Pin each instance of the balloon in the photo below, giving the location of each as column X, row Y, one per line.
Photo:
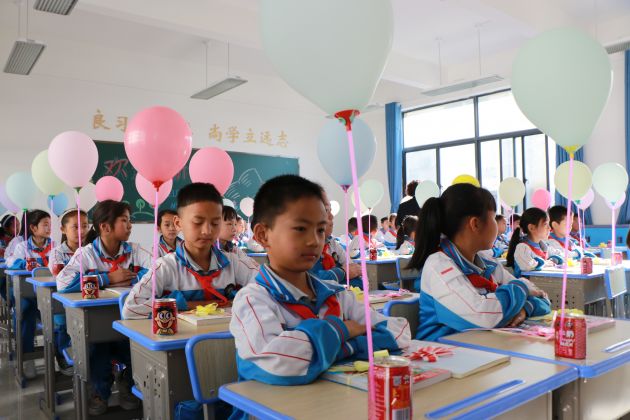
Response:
column 333, row 152
column 87, row 196
column 334, row 207
column 6, row 201
column 332, row 52
column 512, row 191
column 541, row 199
column 214, row 166
column 59, row 204
column 466, row 179
column 586, row 201
column 364, row 208
column 109, row 188
column 21, row 190
column 610, row 180
column 158, row 142
column 147, row 190
column 426, row 190
column 228, row 203
column 615, row 205
column 561, row 80
column 247, row 206
column 582, row 179
column 44, row 177
column 371, row 192
column 73, row 157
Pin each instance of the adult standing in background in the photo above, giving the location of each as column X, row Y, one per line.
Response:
column 408, row 205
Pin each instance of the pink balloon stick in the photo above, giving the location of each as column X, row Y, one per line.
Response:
column 345, row 199
column 566, row 244
column 155, row 244
column 612, row 242
column 79, row 225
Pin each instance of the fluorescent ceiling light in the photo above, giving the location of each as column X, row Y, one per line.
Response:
column 219, row 87
column 23, row 57
column 469, row 84
column 59, row 7
column 618, row 46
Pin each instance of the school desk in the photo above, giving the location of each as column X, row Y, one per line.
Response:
column 54, row 382
column 607, row 252
column 89, row 321
column 382, row 270
column 259, row 257
column 21, row 290
column 518, row 389
column 603, row 386
column 5, row 310
column 159, row 362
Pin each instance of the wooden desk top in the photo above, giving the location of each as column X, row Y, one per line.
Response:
column 343, row 402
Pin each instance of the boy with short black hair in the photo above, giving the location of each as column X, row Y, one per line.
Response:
column 289, row 326
column 197, row 272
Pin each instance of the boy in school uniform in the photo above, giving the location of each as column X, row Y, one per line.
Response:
column 369, row 225
column 558, row 225
column 289, row 326
column 380, row 235
column 575, row 232
column 197, row 272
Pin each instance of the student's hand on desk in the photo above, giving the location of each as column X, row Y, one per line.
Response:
column 354, row 270
column 121, row 277
column 518, row 319
column 354, row 328
column 534, row 291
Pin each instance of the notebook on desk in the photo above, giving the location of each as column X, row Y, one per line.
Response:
column 204, row 320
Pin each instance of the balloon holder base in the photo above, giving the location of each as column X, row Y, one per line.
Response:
column 347, row 116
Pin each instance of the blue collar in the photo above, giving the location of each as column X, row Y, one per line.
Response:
column 532, row 243
column 32, row 247
column 125, row 248
column 178, row 240
column 485, row 267
column 180, row 255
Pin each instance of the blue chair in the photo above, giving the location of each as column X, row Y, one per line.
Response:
column 408, row 309
column 616, row 288
column 121, row 303
column 405, row 274
column 207, row 370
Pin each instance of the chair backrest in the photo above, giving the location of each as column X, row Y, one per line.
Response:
column 403, row 272
column 121, row 302
column 211, row 360
column 615, row 282
column 41, row 272
column 408, row 309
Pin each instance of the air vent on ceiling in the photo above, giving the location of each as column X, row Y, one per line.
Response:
column 469, row 84
column 59, row 7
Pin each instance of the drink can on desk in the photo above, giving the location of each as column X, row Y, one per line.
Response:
column 392, row 389
column 31, row 263
column 165, row 316
column 572, row 342
column 617, row 258
column 586, row 263
column 373, row 254
column 89, row 287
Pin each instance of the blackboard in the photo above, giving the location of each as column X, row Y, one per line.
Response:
column 250, row 172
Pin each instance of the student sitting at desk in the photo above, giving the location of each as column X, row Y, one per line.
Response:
column 197, row 272
column 558, row 224
column 19, row 238
column 459, row 289
column 332, row 263
column 369, row 224
column 528, row 250
column 391, row 236
column 36, row 247
column 352, row 232
column 9, row 227
column 406, row 235
column 241, row 232
column 380, row 235
column 115, row 262
column 502, row 243
column 289, row 326
column 168, row 232
column 575, row 232
column 228, row 234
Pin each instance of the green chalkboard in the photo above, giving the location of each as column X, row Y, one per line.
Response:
column 250, row 172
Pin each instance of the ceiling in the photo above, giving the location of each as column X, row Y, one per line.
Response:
column 468, row 31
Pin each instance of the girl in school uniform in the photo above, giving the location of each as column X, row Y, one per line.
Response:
column 19, row 238
column 241, row 234
column 227, row 236
column 37, row 247
column 9, row 227
column 115, row 262
column 460, row 289
column 405, row 237
column 168, row 232
column 59, row 258
column 558, row 225
column 528, row 249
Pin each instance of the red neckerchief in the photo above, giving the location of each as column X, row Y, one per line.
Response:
column 328, row 262
column 481, row 282
column 209, row 292
column 537, row 251
column 115, row 262
column 305, row 312
column 394, row 233
column 43, row 252
column 165, row 248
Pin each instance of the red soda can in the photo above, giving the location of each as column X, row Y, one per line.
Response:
column 373, row 254
column 617, row 258
column 586, row 263
column 31, row 263
column 392, row 388
column 89, row 287
column 572, row 342
column 165, row 316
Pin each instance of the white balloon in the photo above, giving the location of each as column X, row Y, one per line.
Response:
column 512, row 191
column 372, row 192
column 334, row 207
column 247, row 206
column 87, row 196
column 610, row 180
column 228, row 203
column 426, row 190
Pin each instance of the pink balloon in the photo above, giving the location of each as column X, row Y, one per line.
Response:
column 158, row 143
column 587, row 200
column 147, row 190
column 73, row 157
column 617, row 203
column 6, row 201
column 214, row 166
column 541, row 199
column 109, row 188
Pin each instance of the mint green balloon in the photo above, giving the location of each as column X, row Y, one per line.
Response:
column 561, row 81
column 582, row 180
column 426, row 190
column 22, row 190
column 44, row 177
column 371, row 192
column 512, row 191
column 610, row 180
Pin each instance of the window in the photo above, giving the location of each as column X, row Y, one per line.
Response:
column 485, row 136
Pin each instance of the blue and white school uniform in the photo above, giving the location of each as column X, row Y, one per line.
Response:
column 407, row 247
column 457, row 294
column 177, row 276
column 96, row 261
column 355, row 246
column 575, row 251
column 61, row 254
column 532, row 256
column 10, row 249
column 284, row 338
column 164, row 248
column 233, row 248
column 390, row 238
column 330, row 265
column 345, row 239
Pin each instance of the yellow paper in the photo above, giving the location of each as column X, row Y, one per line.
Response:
column 209, row 309
column 358, row 293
